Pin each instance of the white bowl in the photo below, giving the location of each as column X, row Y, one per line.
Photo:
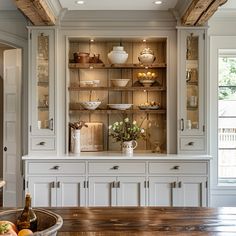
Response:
column 120, row 106
column 89, row 83
column 147, row 82
column 90, row 105
column 119, row 82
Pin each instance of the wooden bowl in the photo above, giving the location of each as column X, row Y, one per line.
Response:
column 48, row 222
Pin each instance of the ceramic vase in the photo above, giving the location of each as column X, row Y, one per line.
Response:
column 76, row 141
column 129, row 146
column 117, row 55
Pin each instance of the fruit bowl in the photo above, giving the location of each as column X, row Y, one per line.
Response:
column 120, row 106
column 147, row 82
column 90, row 105
column 48, row 222
column 119, row 82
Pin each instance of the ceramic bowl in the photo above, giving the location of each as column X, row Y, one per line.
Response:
column 119, row 82
column 90, row 105
column 48, row 222
column 146, row 82
column 120, row 106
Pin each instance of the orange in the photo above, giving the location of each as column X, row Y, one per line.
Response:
column 25, row 232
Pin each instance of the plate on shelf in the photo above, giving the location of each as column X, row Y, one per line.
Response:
column 119, row 106
column 155, row 107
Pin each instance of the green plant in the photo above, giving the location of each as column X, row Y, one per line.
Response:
column 126, row 130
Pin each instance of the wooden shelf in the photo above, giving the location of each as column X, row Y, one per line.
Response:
column 109, row 111
column 192, row 83
column 114, row 66
column 44, row 108
column 136, row 88
column 43, row 83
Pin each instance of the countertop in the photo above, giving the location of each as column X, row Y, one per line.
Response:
column 118, row 156
column 147, row 221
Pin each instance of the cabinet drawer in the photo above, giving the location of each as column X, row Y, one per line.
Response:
column 178, row 168
column 116, row 168
column 56, row 168
column 192, row 144
column 42, row 144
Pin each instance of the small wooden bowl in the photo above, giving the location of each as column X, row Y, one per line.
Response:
column 48, row 222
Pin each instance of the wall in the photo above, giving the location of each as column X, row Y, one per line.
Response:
column 222, row 35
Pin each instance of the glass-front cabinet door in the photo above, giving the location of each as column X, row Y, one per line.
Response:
column 191, row 95
column 42, row 82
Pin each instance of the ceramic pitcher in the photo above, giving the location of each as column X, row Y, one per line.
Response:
column 76, row 141
column 129, row 146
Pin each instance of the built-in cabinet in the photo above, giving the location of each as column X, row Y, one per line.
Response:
column 118, row 182
column 191, row 90
column 42, row 90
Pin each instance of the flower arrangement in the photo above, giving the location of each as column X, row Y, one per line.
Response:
column 78, row 125
column 126, row 130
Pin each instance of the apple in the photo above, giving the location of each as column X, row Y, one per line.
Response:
column 7, row 228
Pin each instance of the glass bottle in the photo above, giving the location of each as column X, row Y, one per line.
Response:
column 27, row 218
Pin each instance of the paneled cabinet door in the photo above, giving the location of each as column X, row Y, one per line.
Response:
column 162, row 191
column 130, row 191
column 102, row 191
column 42, row 71
column 42, row 190
column 192, row 191
column 70, row 191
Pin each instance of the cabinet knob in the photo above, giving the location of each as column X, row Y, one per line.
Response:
column 5, row 149
column 58, row 184
column 175, row 168
column 55, row 168
column 41, row 143
column 190, row 143
column 52, row 184
column 115, row 168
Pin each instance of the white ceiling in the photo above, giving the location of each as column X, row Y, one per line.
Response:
column 118, row 5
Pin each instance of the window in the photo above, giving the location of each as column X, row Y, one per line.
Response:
column 227, row 118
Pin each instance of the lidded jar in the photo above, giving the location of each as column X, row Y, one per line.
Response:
column 146, row 56
column 117, row 55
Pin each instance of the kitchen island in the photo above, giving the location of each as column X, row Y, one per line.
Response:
column 148, row 221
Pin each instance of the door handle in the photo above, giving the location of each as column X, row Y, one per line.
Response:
column 5, row 149
column 182, row 124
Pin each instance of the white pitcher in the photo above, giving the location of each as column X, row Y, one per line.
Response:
column 129, row 146
column 76, row 141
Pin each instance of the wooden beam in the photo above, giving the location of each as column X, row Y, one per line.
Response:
column 37, row 11
column 200, row 11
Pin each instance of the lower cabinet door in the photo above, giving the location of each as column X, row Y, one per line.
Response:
column 131, row 191
column 163, row 191
column 102, row 191
column 193, row 191
column 70, row 191
column 43, row 191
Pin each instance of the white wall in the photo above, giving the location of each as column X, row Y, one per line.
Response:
column 222, row 35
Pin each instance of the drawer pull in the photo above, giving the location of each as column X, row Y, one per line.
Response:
column 180, row 184
column 55, row 168
column 115, row 168
column 175, row 168
column 52, row 184
column 58, row 184
column 41, row 143
column 190, row 143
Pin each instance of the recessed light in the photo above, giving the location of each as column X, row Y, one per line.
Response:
column 144, row 40
column 80, row 2
column 158, row 2
column 91, row 40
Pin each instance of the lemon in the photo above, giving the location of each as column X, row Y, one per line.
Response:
column 25, row 232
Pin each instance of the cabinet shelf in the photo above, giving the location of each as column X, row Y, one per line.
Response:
column 114, row 66
column 109, row 111
column 192, row 83
column 154, row 88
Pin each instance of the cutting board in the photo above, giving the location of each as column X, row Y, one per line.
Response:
column 91, row 139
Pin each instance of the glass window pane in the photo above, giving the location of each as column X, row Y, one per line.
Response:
column 227, row 163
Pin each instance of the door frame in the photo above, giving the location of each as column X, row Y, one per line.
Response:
column 21, row 43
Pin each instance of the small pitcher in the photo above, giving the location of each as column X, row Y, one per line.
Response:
column 129, row 146
column 76, row 141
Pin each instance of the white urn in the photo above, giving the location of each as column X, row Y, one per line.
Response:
column 117, row 55
column 146, row 56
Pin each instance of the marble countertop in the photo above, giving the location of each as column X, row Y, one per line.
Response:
column 2, row 183
column 117, row 156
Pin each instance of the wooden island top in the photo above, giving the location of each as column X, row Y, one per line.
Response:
column 147, row 221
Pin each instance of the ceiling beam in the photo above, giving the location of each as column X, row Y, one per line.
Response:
column 37, row 11
column 200, row 11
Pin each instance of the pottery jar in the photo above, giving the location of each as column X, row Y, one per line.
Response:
column 146, row 56
column 117, row 55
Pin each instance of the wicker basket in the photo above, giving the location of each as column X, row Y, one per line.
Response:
column 48, row 222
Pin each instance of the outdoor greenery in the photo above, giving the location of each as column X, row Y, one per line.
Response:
column 227, row 78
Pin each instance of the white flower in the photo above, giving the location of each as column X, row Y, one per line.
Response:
column 134, row 122
column 121, row 123
column 110, row 126
column 142, row 131
column 116, row 123
column 126, row 119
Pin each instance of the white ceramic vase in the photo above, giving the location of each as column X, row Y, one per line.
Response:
column 76, row 141
column 129, row 146
column 118, row 55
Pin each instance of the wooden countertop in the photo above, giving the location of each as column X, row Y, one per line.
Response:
column 149, row 221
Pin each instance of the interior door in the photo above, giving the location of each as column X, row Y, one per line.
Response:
column 12, row 128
